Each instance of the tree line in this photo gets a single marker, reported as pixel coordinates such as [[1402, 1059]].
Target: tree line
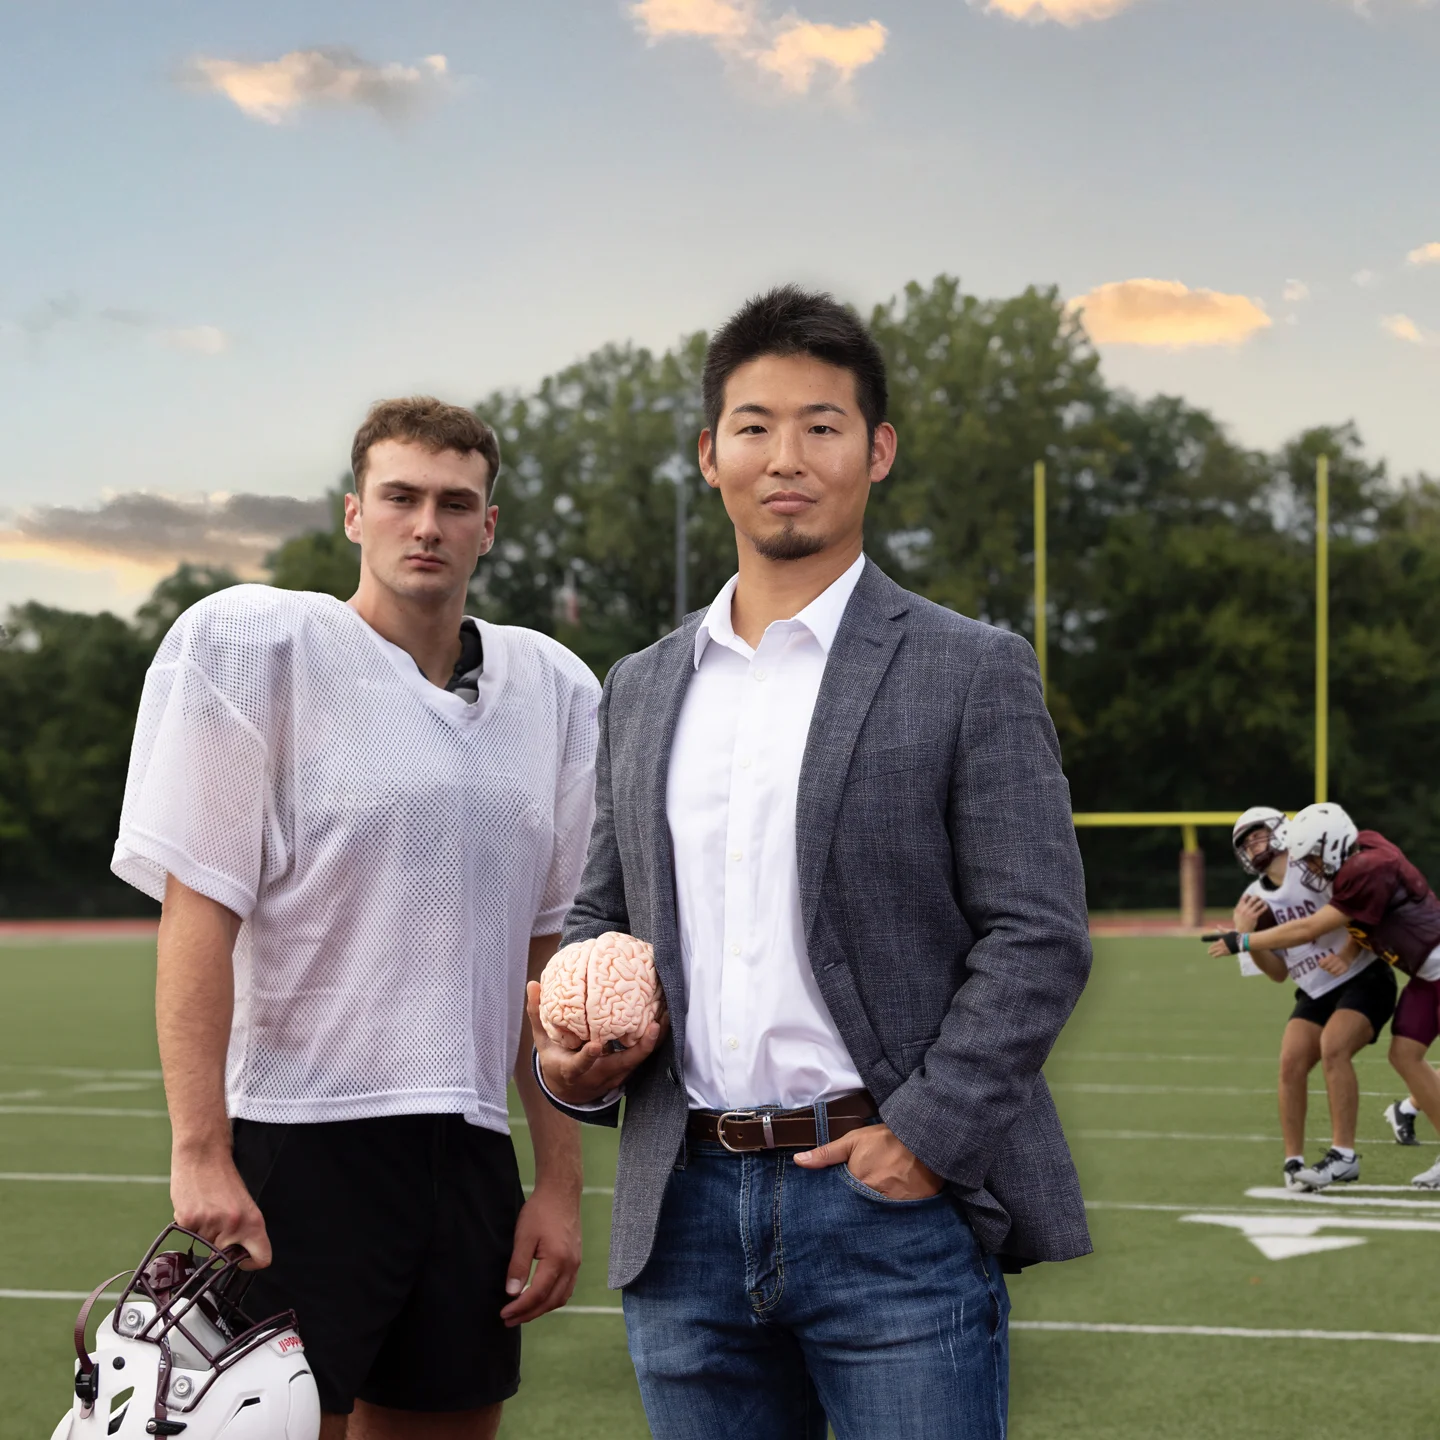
[[1181, 594]]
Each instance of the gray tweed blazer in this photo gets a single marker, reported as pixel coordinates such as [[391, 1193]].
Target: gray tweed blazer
[[943, 897]]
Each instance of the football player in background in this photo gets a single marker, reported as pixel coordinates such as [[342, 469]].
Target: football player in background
[[1342, 999], [1370, 887]]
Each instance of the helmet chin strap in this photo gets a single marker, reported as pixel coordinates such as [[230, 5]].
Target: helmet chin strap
[[87, 1378], [162, 1424]]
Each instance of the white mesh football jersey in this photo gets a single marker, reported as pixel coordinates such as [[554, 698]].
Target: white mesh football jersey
[[1292, 899], [390, 848]]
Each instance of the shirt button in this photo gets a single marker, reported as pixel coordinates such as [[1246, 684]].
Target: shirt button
[[737, 854], [759, 674], [734, 949], [732, 1042], [745, 762]]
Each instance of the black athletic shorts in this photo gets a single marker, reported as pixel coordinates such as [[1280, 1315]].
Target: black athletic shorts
[[391, 1240], [1371, 992]]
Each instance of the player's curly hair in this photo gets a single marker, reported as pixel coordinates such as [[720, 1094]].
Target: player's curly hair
[[424, 420]]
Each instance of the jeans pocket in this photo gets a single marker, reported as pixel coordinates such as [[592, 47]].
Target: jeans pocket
[[861, 1188]]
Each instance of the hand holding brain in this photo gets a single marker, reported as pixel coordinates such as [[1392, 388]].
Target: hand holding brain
[[603, 989]]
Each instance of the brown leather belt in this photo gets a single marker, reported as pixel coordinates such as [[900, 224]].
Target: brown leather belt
[[743, 1131]]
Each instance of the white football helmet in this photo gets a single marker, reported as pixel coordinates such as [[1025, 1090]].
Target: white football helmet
[[1259, 817], [1325, 831], [177, 1354]]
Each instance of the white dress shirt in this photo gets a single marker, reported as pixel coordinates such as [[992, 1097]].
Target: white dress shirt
[[756, 1029]]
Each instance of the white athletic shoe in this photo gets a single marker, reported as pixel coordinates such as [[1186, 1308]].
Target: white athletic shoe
[[1332, 1168], [1292, 1169], [1428, 1179]]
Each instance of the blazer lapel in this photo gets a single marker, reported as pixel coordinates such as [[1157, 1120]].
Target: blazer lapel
[[865, 643], [674, 669]]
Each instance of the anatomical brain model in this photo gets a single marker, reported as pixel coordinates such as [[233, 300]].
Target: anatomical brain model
[[601, 989]]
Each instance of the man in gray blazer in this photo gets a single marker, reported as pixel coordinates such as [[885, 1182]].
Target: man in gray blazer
[[837, 812]]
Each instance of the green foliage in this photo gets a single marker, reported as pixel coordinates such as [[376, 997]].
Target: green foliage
[[1181, 584], [323, 560], [69, 685], [177, 593]]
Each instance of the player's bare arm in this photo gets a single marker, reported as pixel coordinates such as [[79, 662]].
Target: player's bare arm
[[1292, 932], [194, 1004], [547, 1234], [1342, 959]]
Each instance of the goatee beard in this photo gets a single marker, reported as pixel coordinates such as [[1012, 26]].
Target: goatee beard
[[789, 544]]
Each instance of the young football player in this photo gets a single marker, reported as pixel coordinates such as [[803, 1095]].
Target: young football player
[[366, 821], [1369, 886], [1342, 999]]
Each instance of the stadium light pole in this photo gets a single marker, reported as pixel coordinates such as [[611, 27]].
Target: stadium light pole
[[1322, 628], [1041, 639]]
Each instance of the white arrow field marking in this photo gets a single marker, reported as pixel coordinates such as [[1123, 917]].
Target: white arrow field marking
[[1282, 1237]]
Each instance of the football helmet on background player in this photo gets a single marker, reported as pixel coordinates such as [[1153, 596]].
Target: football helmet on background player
[[1259, 817], [178, 1354], [1325, 831]]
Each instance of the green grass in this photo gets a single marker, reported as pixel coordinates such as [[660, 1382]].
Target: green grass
[[1160, 1030]]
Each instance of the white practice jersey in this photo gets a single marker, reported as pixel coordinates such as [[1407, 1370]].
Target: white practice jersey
[[390, 848], [1292, 899]]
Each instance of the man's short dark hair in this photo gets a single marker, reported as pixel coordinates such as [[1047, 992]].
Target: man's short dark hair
[[790, 321], [424, 420]]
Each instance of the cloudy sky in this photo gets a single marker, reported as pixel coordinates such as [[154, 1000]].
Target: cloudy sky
[[227, 228]]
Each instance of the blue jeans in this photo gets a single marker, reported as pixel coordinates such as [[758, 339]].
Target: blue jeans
[[778, 1297]]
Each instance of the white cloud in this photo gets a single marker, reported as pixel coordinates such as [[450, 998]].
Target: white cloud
[[793, 50], [198, 339], [1066, 12], [1295, 292], [1425, 255], [1168, 314], [273, 90], [1366, 279], [1402, 327]]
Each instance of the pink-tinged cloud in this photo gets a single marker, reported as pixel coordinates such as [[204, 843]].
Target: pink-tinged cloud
[[273, 90], [802, 49], [709, 19], [793, 50], [1425, 255], [1167, 314], [1066, 12], [1402, 327]]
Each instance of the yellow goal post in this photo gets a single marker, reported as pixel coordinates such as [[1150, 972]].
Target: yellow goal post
[[1192, 860]]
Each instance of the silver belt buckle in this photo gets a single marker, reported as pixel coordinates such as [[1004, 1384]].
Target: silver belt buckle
[[720, 1128]]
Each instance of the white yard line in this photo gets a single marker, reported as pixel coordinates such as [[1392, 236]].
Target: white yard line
[[1086, 1088], [46, 1177], [54, 1295], [1225, 1332], [1127, 1057], [1343, 1197], [94, 1110], [1191, 1135], [84, 1179], [1081, 1327], [76, 1072]]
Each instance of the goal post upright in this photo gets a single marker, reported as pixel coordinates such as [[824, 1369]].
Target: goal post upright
[[1322, 629], [1041, 637]]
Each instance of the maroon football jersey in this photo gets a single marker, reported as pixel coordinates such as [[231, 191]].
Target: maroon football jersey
[[1391, 909]]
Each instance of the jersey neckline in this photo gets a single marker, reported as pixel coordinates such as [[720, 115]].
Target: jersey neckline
[[450, 707]]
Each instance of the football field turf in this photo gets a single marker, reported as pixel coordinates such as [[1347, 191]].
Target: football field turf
[[1164, 1079]]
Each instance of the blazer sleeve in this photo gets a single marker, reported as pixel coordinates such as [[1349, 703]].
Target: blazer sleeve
[[600, 902], [1021, 888]]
